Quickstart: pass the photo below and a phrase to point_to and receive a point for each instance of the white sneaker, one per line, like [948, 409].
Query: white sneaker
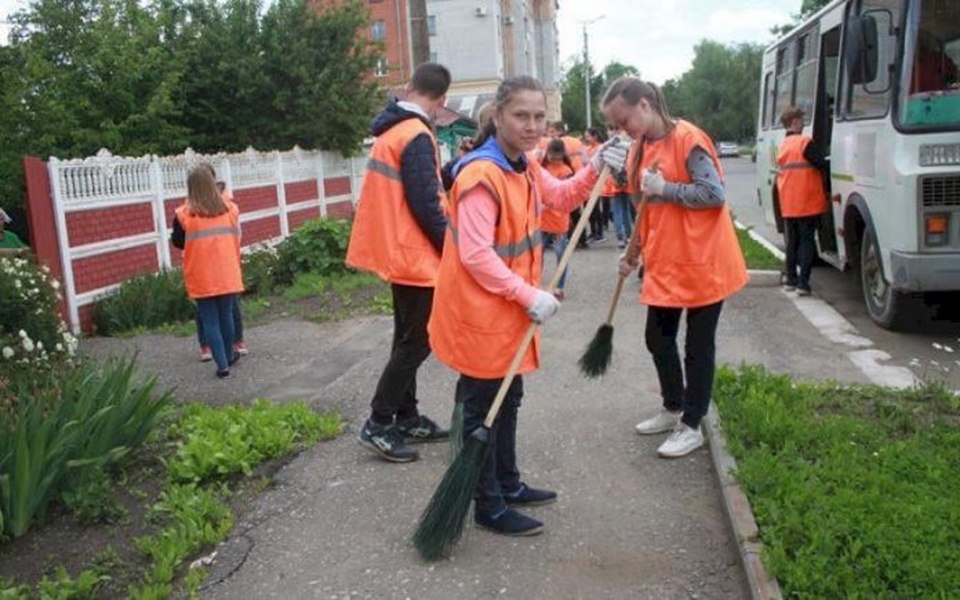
[665, 420]
[681, 442]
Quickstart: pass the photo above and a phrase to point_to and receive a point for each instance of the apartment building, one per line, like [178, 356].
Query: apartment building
[480, 41]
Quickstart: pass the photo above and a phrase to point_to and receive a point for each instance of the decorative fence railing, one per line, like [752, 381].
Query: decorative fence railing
[113, 214]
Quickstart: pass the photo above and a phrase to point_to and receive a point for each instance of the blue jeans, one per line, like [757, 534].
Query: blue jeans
[500, 474]
[558, 241]
[623, 216]
[237, 326]
[216, 314]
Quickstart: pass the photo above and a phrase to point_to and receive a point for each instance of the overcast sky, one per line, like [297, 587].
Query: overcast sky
[656, 36]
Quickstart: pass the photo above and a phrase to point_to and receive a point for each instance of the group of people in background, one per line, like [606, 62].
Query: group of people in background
[462, 247]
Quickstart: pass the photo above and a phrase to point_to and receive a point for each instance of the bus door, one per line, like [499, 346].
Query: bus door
[827, 233]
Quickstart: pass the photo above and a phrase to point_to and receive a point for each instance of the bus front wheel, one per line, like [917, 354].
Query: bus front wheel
[889, 308]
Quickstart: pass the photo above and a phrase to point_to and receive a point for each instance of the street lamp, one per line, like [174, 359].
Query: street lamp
[586, 66]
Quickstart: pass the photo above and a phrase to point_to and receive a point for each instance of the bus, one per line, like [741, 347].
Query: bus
[879, 85]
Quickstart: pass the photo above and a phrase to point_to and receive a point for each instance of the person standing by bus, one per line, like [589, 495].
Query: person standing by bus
[398, 234]
[691, 255]
[802, 199]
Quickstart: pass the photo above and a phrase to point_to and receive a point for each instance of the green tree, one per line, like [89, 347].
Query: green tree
[807, 8]
[574, 94]
[319, 66]
[720, 91]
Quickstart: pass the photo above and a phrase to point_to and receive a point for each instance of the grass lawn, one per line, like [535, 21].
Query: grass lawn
[855, 489]
[755, 254]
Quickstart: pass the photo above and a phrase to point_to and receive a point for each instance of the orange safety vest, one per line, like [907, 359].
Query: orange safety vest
[691, 257]
[211, 252]
[799, 183]
[552, 220]
[571, 145]
[472, 330]
[385, 238]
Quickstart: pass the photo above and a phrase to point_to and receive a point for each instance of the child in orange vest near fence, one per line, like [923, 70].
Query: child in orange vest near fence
[555, 223]
[207, 227]
[206, 355]
[803, 199]
[488, 286]
[690, 252]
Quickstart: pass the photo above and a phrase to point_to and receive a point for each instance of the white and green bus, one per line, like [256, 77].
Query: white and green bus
[878, 81]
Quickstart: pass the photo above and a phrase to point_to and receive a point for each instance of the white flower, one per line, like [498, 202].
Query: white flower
[28, 344]
[7, 352]
[22, 334]
[59, 347]
[17, 284]
[39, 346]
[55, 284]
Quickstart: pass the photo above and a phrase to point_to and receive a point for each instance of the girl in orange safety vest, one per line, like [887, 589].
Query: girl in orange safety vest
[555, 223]
[691, 255]
[211, 262]
[487, 288]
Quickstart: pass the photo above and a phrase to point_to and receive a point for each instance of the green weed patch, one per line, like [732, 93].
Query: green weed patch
[855, 490]
[755, 254]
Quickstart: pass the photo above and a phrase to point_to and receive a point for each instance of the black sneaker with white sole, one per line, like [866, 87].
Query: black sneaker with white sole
[422, 429]
[387, 442]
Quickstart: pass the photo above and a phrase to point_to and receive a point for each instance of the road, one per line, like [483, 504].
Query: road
[914, 349]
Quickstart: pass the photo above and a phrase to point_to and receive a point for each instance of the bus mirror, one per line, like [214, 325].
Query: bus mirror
[861, 51]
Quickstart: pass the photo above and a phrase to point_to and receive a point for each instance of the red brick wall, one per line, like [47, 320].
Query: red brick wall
[98, 271]
[102, 224]
[340, 210]
[336, 186]
[301, 191]
[297, 218]
[260, 230]
[259, 198]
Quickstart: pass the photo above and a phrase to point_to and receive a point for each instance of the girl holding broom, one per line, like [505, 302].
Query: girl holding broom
[690, 252]
[487, 294]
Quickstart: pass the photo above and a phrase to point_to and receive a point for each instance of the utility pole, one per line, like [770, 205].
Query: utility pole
[586, 68]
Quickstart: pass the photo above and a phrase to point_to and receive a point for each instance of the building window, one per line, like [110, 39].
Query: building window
[432, 24]
[378, 31]
[381, 69]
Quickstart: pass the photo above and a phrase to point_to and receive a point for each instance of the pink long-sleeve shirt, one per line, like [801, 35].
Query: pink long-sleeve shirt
[477, 218]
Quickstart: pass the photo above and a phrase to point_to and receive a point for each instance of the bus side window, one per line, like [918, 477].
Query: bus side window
[934, 70]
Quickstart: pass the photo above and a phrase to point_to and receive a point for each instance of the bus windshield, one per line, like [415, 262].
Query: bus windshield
[930, 94]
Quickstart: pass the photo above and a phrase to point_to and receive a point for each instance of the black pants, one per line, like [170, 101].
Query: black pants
[800, 234]
[598, 219]
[699, 359]
[500, 473]
[396, 395]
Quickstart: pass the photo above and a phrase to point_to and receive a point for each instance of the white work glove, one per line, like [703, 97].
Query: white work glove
[626, 264]
[544, 306]
[612, 153]
[652, 183]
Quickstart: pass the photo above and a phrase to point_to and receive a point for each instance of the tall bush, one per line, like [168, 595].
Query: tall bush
[319, 246]
[148, 300]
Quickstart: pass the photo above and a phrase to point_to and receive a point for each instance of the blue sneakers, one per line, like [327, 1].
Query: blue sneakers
[386, 441]
[509, 522]
[528, 496]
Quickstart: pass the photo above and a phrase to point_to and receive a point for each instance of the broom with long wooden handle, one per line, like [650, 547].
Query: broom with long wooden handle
[596, 357]
[441, 523]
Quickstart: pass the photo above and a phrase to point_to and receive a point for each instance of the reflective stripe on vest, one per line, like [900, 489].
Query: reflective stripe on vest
[227, 230]
[384, 169]
[691, 257]
[799, 183]
[472, 330]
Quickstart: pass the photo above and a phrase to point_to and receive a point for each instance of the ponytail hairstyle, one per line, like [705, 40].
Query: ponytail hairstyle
[632, 90]
[485, 127]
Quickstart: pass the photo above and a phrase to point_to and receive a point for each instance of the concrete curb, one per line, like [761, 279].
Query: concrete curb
[763, 278]
[763, 585]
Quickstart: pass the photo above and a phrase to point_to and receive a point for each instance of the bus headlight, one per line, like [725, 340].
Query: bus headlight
[936, 228]
[935, 155]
